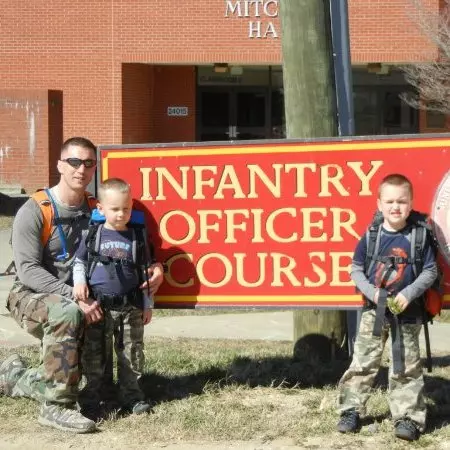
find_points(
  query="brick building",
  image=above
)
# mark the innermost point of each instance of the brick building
(166, 71)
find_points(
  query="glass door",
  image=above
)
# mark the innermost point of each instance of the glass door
(214, 115)
(397, 116)
(234, 113)
(251, 112)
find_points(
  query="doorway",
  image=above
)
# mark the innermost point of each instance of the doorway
(233, 113)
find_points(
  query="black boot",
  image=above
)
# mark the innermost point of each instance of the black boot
(406, 429)
(349, 422)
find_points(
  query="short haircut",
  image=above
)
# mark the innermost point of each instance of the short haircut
(79, 142)
(114, 184)
(396, 179)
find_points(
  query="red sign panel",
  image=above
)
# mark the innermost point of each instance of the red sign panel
(272, 224)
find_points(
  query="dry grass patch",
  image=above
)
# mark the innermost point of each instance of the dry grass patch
(443, 317)
(207, 392)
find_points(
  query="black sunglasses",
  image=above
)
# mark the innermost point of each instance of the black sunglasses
(76, 162)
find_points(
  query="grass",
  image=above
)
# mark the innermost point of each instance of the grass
(444, 317)
(228, 391)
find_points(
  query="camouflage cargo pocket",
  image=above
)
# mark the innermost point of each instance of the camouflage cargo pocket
(28, 309)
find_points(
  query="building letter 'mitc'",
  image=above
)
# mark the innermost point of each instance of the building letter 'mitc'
(229, 8)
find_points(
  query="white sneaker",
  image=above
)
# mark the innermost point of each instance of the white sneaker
(65, 419)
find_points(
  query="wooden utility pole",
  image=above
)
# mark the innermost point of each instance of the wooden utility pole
(310, 106)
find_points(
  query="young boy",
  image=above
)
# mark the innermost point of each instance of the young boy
(393, 276)
(114, 283)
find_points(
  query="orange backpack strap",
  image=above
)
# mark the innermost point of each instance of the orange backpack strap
(41, 198)
(45, 205)
(91, 200)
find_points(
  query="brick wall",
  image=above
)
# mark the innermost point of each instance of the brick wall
(175, 87)
(137, 103)
(30, 137)
(388, 31)
(83, 49)
(147, 92)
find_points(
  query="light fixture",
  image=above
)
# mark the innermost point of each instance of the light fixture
(378, 68)
(220, 67)
(373, 67)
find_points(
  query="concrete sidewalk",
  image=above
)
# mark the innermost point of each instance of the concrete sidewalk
(275, 325)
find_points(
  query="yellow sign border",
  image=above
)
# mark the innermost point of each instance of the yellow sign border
(287, 147)
(279, 147)
(266, 299)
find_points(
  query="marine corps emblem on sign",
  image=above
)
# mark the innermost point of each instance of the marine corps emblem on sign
(441, 216)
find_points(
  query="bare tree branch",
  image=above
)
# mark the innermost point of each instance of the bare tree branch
(431, 79)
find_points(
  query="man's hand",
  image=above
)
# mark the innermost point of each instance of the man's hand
(91, 309)
(156, 277)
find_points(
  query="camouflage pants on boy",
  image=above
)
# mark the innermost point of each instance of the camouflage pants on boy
(97, 356)
(405, 388)
(58, 323)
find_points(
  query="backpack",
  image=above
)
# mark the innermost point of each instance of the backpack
(142, 251)
(421, 232)
(50, 216)
(50, 219)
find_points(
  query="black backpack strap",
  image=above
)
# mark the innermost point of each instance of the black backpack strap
(380, 312)
(398, 350)
(419, 234)
(391, 259)
(143, 256)
(94, 257)
(93, 245)
(426, 334)
(420, 231)
(373, 236)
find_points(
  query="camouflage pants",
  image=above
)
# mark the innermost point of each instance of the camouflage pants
(58, 323)
(405, 388)
(97, 356)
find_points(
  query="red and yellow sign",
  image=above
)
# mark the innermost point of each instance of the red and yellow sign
(270, 224)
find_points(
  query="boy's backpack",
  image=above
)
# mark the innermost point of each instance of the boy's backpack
(421, 232)
(142, 250)
(50, 216)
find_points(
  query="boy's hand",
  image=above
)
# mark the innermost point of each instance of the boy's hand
(156, 277)
(147, 316)
(401, 301)
(80, 292)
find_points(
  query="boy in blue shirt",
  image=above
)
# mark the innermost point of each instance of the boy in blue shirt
(114, 282)
(396, 279)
